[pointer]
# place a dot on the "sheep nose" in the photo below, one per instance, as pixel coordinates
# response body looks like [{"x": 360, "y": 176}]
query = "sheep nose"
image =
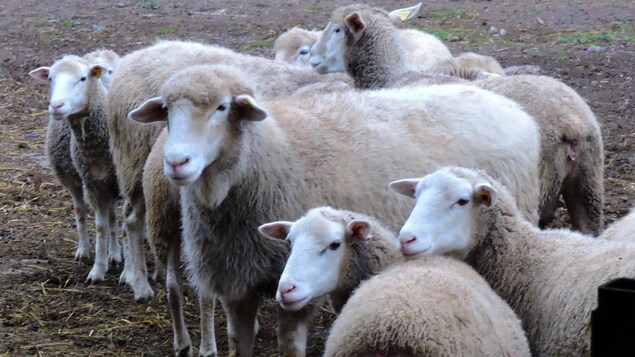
[
  {"x": 286, "y": 288},
  {"x": 408, "y": 238},
  {"x": 57, "y": 105},
  {"x": 177, "y": 163}
]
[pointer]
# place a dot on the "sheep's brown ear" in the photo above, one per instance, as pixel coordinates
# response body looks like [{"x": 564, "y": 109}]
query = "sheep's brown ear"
[
  {"x": 357, "y": 231},
  {"x": 41, "y": 73},
  {"x": 150, "y": 111},
  {"x": 485, "y": 195},
  {"x": 355, "y": 22},
  {"x": 406, "y": 187},
  {"x": 97, "y": 70},
  {"x": 402, "y": 15},
  {"x": 275, "y": 230},
  {"x": 247, "y": 109}
]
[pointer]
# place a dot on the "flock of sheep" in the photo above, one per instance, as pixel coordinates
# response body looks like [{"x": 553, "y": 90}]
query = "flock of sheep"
[{"x": 252, "y": 142}]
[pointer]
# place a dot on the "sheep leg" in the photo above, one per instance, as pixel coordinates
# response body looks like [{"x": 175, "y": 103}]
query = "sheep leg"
[
  {"x": 79, "y": 205},
  {"x": 208, "y": 337},
  {"x": 293, "y": 331},
  {"x": 584, "y": 203},
  {"x": 102, "y": 226},
  {"x": 241, "y": 325},
  {"x": 114, "y": 248},
  {"x": 135, "y": 272},
  {"x": 182, "y": 343}
]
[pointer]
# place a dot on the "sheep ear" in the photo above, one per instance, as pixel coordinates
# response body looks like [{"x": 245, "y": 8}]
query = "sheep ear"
[
  {"x": 485, "y": 195},
  {"x": 150, "y": 111},
  {"x": 247, "y": 108},
  {"x": 357, "y": 231},
  {"x": 355, "y": 22},
  {"x": 402, "y": 15},
  {"x": 41, "y": 73},
  {"x": 97, "y": 70},
  {"x": 406, "y": 187},
  {"x": 275, "y": 230}
]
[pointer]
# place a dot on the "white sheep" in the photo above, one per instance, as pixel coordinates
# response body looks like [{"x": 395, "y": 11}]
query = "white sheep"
[
  {"x": 139, "y": 76},
  {"x": 240, "y": 165},
  {"x": 293, "y": 46},
  {"x": 572, "y": 156},
  {"x": 549, "y": 277},
  {"x": 332, "y": 252},
  {"x": 432, "y": 306},
  {"x": 107, "y": 59},
  {"x": 622, "y": 230},
  {"x": 78, "y": 97}
]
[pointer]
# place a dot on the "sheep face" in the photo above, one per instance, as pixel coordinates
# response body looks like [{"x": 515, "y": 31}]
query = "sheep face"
[
  {"x": 327, "y": 54},
  {"x": 71, "y": 79},
  {"x": 445, "y": 213},
  {"x": 294, "y": 45},
  {"x": 206, "y": 108},
  {"x": 320, "y": 248}
]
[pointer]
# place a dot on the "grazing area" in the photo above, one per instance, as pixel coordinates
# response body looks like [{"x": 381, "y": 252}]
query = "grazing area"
[{"x": 46, "y": 306}]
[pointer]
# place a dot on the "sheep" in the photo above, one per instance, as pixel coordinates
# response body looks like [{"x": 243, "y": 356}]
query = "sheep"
[
  {"x": 549, "y": 277},
  {"x": 621, "y": 230},
  {"x": 252, "y": 165},
  {"x": 422, "y": 49},
  {"x": 293, "y": 46},
  {"x": 139, "y": 77},
  {"x": 108, "y": 59},
  {"x": 332, "y": 252},
  {"x": 431, "y": 306},
  {"x": 572, "y": 156},
  {"x": 470, "y": 66},
  {"x": 78, "y": 98}
]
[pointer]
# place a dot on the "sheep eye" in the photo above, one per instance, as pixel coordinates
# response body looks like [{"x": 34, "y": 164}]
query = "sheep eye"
[
  {"x": 82, "y": 79},
  {"x": 462, "y": 202},
  {"x": 304, "y": 52},
  {"x": 337, "y": 30},
  {"x": 221, "y": 108},
  {"x": 334, "y": 245}
]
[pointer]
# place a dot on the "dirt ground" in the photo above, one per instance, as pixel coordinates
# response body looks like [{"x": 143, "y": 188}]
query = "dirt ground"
[{"x": 46, "y": 308}]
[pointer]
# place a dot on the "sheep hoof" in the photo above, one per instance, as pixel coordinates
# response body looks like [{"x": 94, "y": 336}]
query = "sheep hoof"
[
  {"x": 184, "y": 352},
  {"x": 142, "y": 292},
  {"x": 96, "y": 275},
  {"x": 82, "y": 253},
  {"x": 207, "y": 354}
]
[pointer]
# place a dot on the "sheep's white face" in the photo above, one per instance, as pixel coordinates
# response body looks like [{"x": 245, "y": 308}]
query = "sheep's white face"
[
  {"x": 197, "y": 135},
  {"x": 319, "y": 248},
  {"x": 300, "y": 57},
  {"x": 444, "y": 217},
  {"x": 70, "y": 80},
  {"x": 327, "y": 55}
]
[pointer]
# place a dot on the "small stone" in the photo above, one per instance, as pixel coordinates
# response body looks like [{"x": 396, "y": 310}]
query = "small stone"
[
  {"x": 624, "y": 198},
  {"x": 99, "y": 27},
  {"x": 595, "y": 49},
  {"x": 493, "y": 29},
  {"x": 502, "y": 32},
  {"x": 44, "y": 164},
  {"x": 120, "y": 4}
]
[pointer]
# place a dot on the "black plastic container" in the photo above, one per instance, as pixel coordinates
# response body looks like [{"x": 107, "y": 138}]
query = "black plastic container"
[{"x": 613, "y": 322}]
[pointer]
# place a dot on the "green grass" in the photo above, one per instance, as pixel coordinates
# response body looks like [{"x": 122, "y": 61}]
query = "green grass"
[
  {"x": 167, "y": 31},
  {"x": 261, "y": 44},
  {"x": 67, "y": 23},
  {"x": 150, "y": 5},
  {"x": 445, "y": 14},
  {"x": 620, "y": 31},
  {"x": 562, "y": 58},
  {"x": 46, "y": 38},
  {"x": 446, "y": 34},
  {"x": 312, "y": 9}
]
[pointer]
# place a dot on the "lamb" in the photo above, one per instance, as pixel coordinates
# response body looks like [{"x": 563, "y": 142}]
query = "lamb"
[
  {"x": 470, "y": 66},
  {"x": 332, "y": 252},
  {"x": 549, "y": 277},
  {"x": 432, "y": 306},
  {"x": 240, "y": 165},
  {"x": 572, "y": 156},
  {"x": 139, "y": 77},
  {"x": 78, "y": 98},
  {"x": 106, "y": 58}
]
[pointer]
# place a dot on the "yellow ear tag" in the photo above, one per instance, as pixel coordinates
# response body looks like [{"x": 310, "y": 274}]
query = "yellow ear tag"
[
  {"x": 246, "y": 103},
  {"x": 404, "y": 15}
]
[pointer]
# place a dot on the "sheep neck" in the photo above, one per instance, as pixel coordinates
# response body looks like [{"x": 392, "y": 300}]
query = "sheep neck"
[{"x": 377, "y": 58}]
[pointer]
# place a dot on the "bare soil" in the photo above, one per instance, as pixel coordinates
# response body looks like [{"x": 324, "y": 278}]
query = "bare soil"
[{"x": 46, "y": 309}]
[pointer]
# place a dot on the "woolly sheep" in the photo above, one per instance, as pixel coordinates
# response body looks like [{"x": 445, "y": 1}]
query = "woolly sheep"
[
  {"x": 549, "y": 277},
  {"x": 293, "y": 45},
  {"x": 571, "y": 162},
  {"x": 470, "y": 66},
  {"x": 622, "y": 230},
  {"x": 78, "y": 97},
  {"x": 240, "y": 165},
  {"x": 139, "y": 77},
  {"x": 332, "y": 251},
  {"x": 432, "y": 306},
  {"x": 106, "y": 58}
]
